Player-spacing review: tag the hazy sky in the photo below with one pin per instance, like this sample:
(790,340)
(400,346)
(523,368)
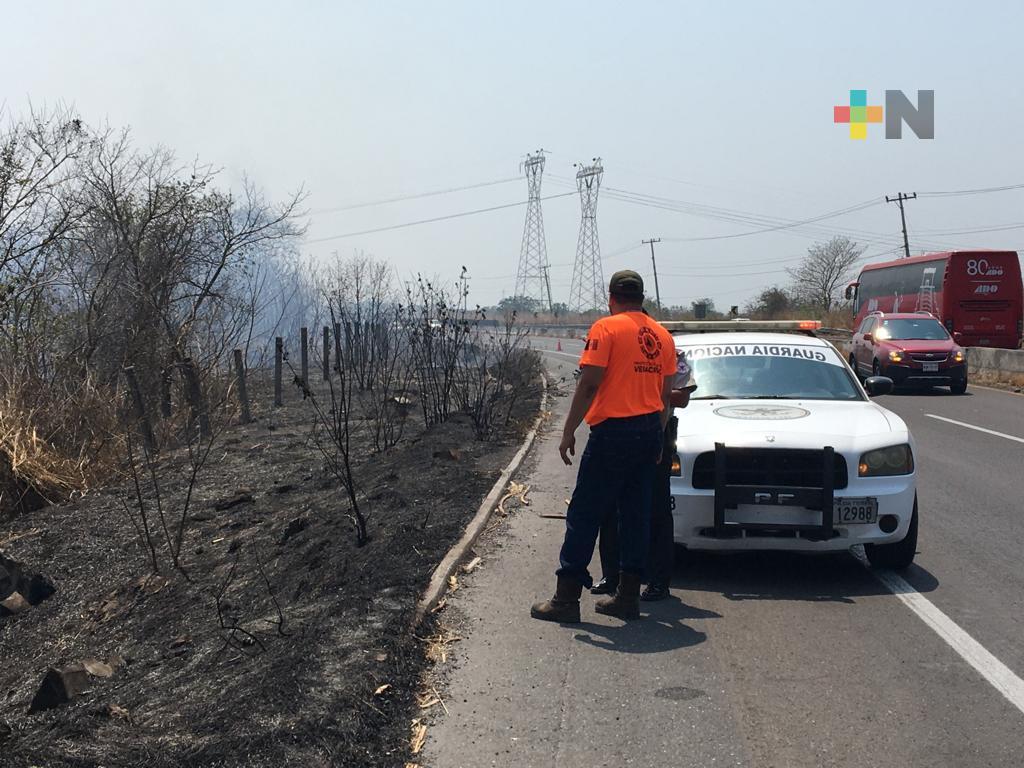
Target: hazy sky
(723,104)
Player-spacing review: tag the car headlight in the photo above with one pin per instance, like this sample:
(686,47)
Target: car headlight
(896,356)
(958,356)
(883,462)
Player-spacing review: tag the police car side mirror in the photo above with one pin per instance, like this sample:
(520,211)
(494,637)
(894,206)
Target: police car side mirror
(878,385)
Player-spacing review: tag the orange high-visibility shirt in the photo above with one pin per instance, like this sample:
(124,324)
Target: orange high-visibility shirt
(637,354)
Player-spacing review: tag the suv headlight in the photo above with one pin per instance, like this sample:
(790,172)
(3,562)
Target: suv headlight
(896,356)
(958,356)
(883,462)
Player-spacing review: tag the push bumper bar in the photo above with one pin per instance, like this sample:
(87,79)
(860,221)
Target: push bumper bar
(814,498)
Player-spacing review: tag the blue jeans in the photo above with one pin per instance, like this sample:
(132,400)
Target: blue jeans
(616,472)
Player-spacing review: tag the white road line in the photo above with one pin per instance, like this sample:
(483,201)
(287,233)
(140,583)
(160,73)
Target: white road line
(970,650)
(979,429)
(563,354)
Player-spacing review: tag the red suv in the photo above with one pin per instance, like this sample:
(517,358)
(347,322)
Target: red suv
(911,348)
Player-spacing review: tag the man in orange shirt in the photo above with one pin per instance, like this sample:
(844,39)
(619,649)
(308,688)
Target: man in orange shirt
(623,393)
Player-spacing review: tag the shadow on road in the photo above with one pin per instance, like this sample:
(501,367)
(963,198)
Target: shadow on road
(661,629)
(925,392)
(839,578)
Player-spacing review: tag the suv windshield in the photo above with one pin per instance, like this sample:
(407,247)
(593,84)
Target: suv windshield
(927,328)
(769,371)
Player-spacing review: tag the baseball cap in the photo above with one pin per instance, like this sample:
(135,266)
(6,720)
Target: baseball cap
(626,282)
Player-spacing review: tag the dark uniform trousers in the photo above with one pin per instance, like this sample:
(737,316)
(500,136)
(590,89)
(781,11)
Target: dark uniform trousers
(661,551)
(616,481)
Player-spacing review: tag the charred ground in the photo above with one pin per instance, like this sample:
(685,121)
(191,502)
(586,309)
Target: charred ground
(270,646)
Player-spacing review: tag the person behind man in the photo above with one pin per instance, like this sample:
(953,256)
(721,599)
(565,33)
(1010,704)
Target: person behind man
(662,551)
(660,556)
(623,392)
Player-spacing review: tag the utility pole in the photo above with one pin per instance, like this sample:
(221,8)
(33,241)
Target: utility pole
(903,217)
(654,266)
(546,269)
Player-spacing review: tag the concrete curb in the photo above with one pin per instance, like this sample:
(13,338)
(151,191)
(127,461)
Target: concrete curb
(439,579)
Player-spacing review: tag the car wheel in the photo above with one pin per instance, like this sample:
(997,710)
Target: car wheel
(853,365)
(898,555)
(959,388)
(876,369)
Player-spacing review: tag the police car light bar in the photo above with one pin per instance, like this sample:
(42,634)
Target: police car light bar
(741,324)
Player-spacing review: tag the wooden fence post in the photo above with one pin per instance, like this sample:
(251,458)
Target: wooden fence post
(139,410)
(304,337)
(327,353)
(243,391)
(278,370)
(195,396)
(166,381)
(337,346)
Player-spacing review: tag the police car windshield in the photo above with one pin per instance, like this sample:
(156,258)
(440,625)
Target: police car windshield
(746,371)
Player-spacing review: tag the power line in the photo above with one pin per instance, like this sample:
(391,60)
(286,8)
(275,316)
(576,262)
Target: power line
(979,191)
(980,229)
(414,196)
(432,220)
(766,223)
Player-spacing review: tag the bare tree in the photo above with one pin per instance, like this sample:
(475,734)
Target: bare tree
(439,328)
(164,261)
(113,257)
(38,209)
(824,272)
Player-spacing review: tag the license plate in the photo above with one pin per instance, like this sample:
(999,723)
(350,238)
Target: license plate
(930,367)
(855,511)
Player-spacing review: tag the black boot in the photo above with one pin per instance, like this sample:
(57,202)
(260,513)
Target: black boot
(626,603)
(564,607)
(654,592)
(606,586)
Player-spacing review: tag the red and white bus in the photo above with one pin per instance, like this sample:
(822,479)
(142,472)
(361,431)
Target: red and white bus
(976,294)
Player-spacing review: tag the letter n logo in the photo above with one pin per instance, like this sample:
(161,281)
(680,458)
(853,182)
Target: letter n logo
(899,110)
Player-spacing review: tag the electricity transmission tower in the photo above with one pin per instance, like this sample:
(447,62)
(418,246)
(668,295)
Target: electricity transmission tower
(532,281)
(588,289)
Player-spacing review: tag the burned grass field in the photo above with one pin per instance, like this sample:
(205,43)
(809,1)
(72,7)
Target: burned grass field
(277,640)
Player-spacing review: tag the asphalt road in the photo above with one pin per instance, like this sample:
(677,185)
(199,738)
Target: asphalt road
(759,660)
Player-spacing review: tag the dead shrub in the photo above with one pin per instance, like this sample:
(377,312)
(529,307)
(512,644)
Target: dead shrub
(55,443)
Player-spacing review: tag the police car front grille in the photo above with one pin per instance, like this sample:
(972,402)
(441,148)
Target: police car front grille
(778,467)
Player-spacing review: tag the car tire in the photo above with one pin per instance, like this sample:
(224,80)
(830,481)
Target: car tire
(959,388)
(900,554)
(853,365)
(876,368)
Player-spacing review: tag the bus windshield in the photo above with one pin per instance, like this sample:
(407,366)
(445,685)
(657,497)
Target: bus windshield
(926,329)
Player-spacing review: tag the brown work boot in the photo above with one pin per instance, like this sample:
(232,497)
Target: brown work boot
(564,607)
(626,602)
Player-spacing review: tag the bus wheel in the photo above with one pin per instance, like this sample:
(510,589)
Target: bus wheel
(959,388)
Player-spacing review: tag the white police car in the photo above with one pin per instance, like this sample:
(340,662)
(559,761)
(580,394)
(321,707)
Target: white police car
(781,447)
